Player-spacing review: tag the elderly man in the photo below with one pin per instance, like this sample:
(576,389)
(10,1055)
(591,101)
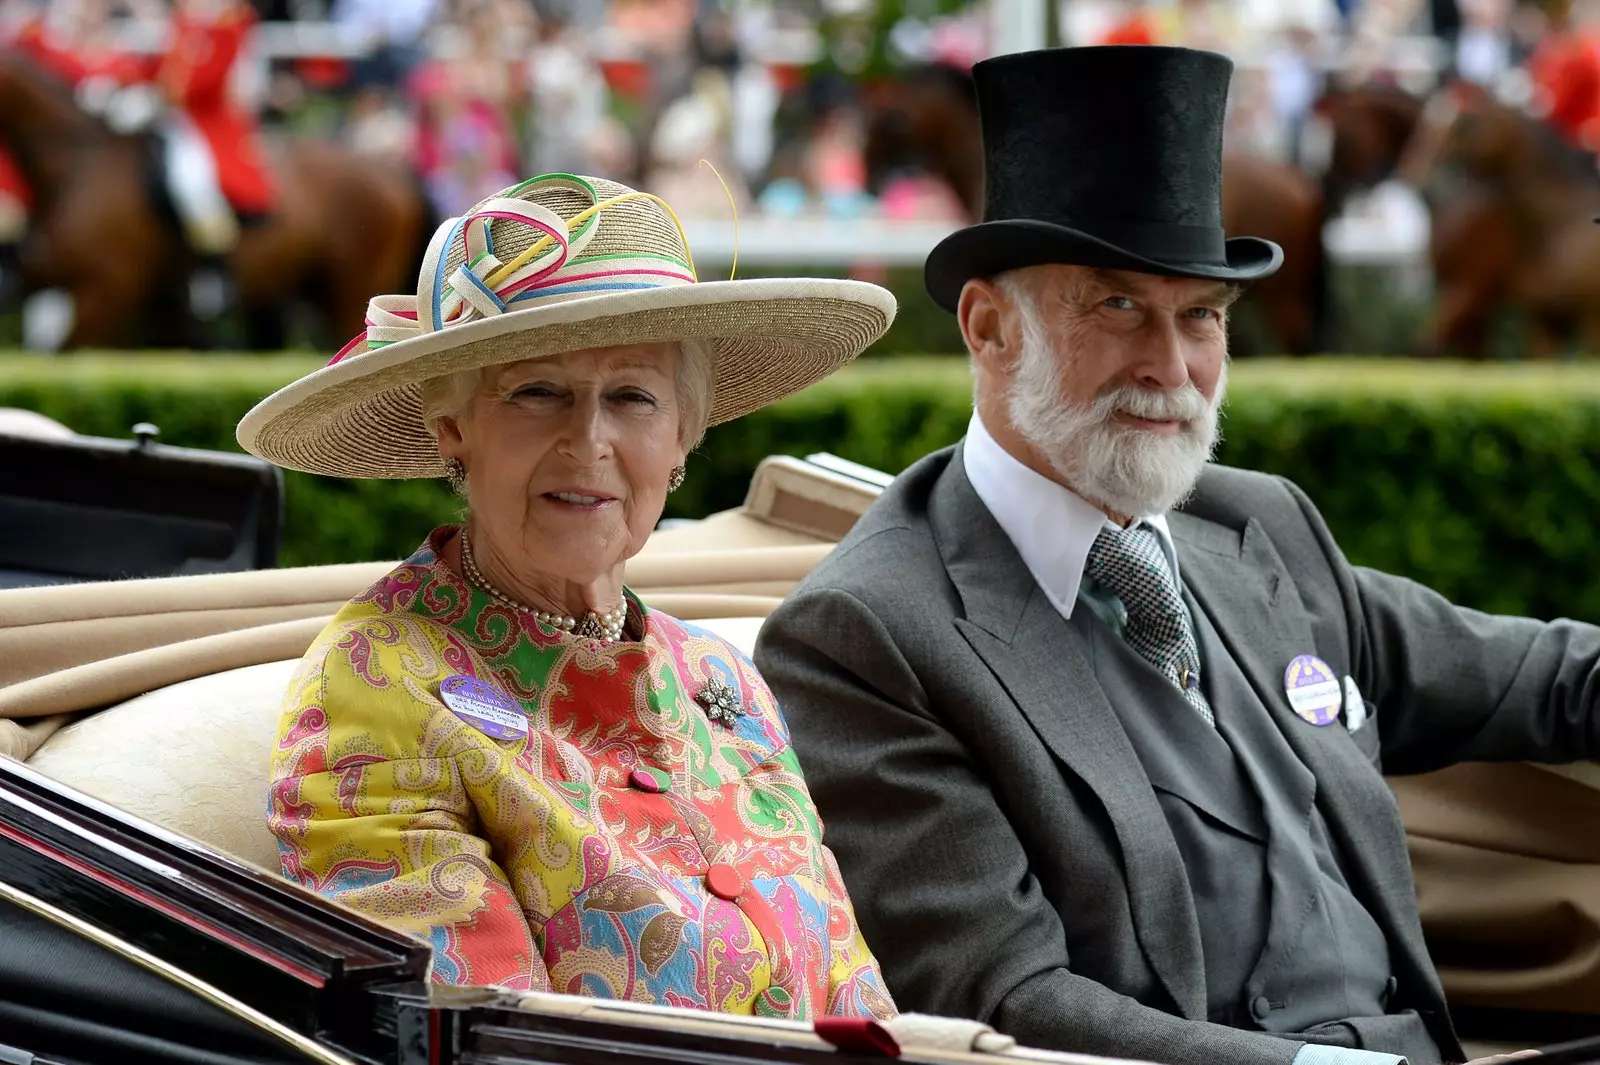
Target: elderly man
(1101,769)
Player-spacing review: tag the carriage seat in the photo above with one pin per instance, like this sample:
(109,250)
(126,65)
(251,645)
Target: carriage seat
(193,757)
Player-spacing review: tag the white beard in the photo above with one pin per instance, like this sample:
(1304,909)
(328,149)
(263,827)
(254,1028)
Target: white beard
(1123,469)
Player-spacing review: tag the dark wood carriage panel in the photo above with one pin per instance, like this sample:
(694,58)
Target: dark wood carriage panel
(246,932)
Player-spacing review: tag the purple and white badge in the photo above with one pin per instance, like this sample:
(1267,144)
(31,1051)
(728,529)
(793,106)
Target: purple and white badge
(1313,689)
(484,707)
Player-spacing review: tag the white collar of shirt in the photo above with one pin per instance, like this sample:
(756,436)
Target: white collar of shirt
(1051,527)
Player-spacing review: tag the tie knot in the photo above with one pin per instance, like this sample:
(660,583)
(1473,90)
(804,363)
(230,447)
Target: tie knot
(1131,564)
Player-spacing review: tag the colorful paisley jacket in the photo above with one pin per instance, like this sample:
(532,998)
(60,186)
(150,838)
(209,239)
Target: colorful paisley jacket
(626,847)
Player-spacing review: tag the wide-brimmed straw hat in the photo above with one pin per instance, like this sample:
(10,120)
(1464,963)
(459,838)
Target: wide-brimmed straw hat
(558,263)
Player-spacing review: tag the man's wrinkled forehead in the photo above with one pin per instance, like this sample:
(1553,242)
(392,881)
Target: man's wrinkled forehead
(1079,282)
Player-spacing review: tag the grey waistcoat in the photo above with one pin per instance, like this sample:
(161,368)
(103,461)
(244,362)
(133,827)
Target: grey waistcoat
(1288,947)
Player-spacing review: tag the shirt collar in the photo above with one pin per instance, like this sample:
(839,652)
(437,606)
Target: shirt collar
(1051,527)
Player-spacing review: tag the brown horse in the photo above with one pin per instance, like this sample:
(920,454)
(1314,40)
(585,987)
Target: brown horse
(1548,193)
(1381,132)
(1371,126)
(343,229)
(928,118)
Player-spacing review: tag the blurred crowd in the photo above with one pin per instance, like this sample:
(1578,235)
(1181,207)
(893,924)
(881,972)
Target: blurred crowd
(472,93)
(1543,55)
(839,110)
(646,91)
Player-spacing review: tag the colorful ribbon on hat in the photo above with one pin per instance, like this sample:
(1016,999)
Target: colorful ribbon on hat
(552,269)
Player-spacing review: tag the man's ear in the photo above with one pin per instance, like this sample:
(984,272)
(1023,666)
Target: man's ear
(981,314)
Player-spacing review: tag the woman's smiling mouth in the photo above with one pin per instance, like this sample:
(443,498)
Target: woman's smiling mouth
(577,499)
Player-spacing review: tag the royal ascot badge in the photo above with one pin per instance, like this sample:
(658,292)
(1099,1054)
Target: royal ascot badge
(1314,690)
(484,707)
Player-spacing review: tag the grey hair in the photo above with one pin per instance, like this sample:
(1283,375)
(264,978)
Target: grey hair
(1015,288)
(448,396)
(1020,294)
(697,381)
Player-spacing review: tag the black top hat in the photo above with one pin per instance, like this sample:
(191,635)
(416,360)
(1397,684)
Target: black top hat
(1107,156)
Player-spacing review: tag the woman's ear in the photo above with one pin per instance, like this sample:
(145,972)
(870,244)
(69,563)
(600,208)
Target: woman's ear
(447,431)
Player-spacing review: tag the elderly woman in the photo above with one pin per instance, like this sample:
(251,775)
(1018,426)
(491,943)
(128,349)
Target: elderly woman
(497,746)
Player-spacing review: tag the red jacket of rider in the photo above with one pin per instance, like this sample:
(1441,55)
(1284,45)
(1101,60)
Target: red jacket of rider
(195,75)
(13,186)
(75,61)
(1565,69)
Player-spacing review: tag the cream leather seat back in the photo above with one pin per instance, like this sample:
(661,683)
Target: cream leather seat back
(193,757)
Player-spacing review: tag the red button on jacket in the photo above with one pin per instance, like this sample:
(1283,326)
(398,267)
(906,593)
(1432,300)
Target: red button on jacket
(648,780)
(724,882)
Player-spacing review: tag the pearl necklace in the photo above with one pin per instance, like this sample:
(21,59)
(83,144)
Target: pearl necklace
(607,626)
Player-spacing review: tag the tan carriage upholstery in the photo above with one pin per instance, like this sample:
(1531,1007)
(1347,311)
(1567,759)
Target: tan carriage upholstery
(190,757)
(1507,865)
(14,421)
(47,631)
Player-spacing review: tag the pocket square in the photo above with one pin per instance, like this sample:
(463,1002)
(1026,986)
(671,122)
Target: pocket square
(1355,707)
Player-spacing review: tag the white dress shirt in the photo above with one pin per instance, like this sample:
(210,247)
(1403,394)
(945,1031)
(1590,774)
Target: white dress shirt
(1051,527)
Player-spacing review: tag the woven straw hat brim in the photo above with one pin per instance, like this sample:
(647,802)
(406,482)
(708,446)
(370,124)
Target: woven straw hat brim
(362,416)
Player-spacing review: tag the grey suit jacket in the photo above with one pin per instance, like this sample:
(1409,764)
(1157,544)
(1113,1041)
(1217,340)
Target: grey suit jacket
(1003,847)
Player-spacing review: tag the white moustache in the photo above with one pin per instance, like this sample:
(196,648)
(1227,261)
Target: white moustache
(1184,404)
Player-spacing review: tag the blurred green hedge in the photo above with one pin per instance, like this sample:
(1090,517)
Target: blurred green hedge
(1477,480)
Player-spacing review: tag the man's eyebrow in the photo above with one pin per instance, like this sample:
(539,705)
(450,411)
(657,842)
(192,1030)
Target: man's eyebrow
(1099,275)
(1223,296)
(1220,297)
(1216,298)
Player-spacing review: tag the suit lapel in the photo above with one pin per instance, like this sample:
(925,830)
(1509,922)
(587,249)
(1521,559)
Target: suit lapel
(1239,580)
(1039,659)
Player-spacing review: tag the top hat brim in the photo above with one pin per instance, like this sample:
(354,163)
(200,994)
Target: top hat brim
(991,248)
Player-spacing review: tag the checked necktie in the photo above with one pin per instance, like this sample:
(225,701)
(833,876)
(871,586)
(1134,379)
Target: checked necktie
(1130,564)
